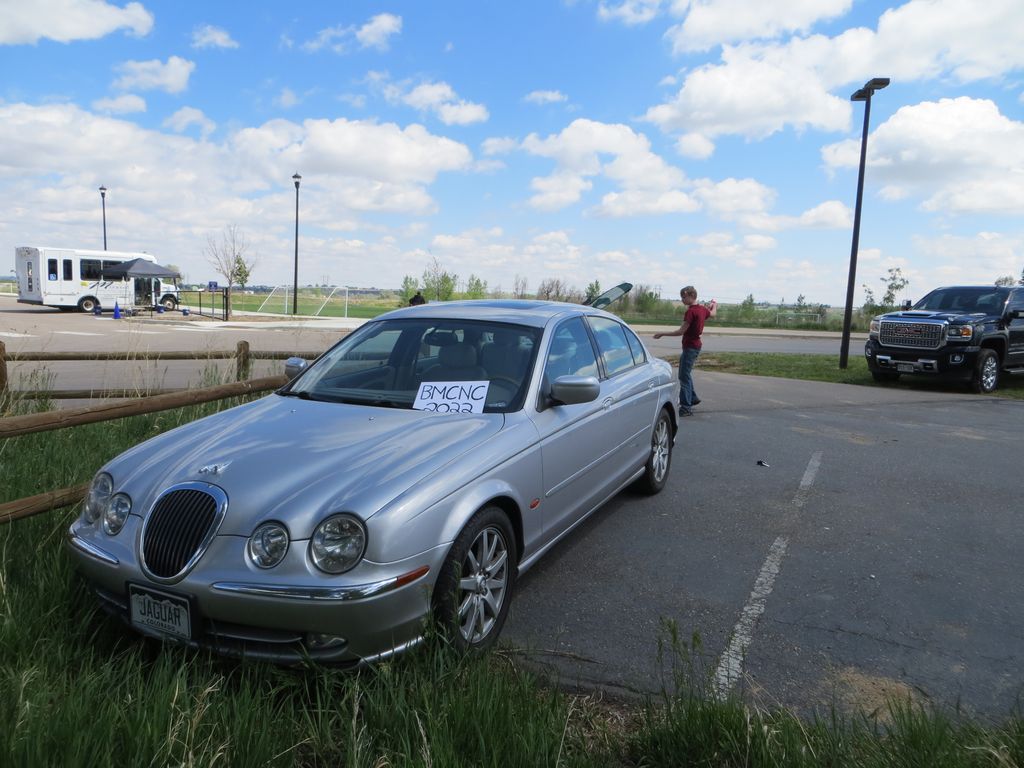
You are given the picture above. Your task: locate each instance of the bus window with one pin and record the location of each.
(67, 269)
(51, 269)
(91, 269)
(110, 264)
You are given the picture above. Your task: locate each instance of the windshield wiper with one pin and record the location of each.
(302, 395)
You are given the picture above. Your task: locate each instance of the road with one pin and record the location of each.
(874, 552)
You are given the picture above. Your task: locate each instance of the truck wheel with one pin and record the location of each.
(986, 372)
(87, 304)
(885, 377)
(169, 303)
(474, 589)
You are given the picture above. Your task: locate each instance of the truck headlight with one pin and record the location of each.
(268, 545)
(117, 511)
(99, 494)
(338, 543)
(960, 332)
(873, 325)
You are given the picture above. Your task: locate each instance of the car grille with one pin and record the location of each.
(895, 333)
(180, 528)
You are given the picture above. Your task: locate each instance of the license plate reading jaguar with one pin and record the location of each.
(159, 611)
(905, 367)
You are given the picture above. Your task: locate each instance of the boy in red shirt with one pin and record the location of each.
(690, 330)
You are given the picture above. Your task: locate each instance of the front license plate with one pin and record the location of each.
(159, 611)
(905, 367)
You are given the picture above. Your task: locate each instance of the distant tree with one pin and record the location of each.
(1021, 281)
(225, 252)
(894, 283)
(438, 283)
(1006, 280)
(476, 288)
(240, 274)
(175, 268)
(645, 300)
(409, 287)
(593, 291)
(519, 287)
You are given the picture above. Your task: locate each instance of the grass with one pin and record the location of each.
(826, 368)
(77, 688)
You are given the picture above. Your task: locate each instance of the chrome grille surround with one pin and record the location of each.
(913, 334)
(178, 529)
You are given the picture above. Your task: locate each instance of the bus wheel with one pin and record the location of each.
(87, 304)
(169, 303)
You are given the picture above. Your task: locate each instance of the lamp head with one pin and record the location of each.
(877, 83)
(103, 191)
(296, 178)
(861, 94)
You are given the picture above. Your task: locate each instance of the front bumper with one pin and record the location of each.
(347, 620)
(948, 362)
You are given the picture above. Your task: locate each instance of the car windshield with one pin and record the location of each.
(966, 300)
(448, 365)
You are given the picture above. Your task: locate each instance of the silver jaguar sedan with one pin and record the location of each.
(408, 475)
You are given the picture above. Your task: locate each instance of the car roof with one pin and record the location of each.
(518, 311)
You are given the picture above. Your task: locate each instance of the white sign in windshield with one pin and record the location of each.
(452, 396)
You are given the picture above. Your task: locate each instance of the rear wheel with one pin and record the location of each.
(986, 372)
(658, 463)
(88, 304)
(885, 377)
(474, 590)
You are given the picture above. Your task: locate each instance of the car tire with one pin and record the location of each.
(169, 303)
(885, 377)
(87, 304)
(474, 590)
(986, 372)
(659, 463)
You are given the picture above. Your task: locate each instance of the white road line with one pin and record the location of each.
(14, 335)
(730, 665)
(75, 333)
(141, 333)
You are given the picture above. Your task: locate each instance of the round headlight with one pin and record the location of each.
(99, 493)
(338, 544)
(268, 545)
(116, 513)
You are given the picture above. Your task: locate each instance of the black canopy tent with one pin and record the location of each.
(138, 268)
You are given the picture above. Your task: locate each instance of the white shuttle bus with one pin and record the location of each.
(71, 278)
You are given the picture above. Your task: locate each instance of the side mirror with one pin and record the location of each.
(293, 366)
(572, 390)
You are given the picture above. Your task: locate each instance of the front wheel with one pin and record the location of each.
(169, 303)
(658, 463)
(474, 590)
(88, 304)
(986, 372)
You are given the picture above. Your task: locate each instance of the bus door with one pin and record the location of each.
(144, 292)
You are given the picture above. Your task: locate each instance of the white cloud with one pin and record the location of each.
(758, 89)
(439, 98)
(696, 146)
(375, 33)
(629, 12)
(378, 30)
(185, 117)
(544, 97)
(209, 36)
(499, 146)
(960, 155)
(286, 99)
(122, 105)
(171, 76)
(28, 21)
(712, 22)
(832, 214)
(723, 246)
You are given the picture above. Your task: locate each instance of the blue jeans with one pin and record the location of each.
(686, 393)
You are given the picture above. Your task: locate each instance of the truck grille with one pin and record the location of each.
(180, 528)
(897, 333)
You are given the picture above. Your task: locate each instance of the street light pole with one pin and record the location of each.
(861, 94)
(295, 285)
(103, 200)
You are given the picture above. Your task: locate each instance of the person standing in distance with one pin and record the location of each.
(690, 330)
(416, 300)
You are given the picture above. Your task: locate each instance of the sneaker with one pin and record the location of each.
(696, 401)
(685, 412)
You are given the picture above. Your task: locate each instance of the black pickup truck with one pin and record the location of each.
(969, 333)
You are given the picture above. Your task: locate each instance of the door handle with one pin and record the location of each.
(607, 402)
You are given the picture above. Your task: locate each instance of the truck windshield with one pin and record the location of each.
(966, 300)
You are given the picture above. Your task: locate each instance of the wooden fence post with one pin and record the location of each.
(242, 361)
(3, 367)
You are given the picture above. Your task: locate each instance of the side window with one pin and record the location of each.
(570, 353)
(612, 344)
(90, 269)
(68, 274)
(51, 269)
(109, 264)
(639, 356)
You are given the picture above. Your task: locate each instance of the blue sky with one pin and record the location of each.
(663, 142)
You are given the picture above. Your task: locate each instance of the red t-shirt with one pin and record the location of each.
(695, 316)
